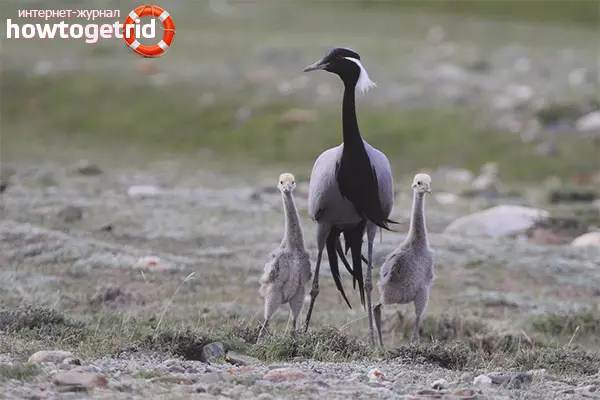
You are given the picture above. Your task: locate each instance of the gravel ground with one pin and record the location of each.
(55, 216)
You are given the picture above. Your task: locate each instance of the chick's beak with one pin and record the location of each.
(313, 67)
(428, 190)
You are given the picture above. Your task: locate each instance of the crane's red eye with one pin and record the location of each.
(339, 57)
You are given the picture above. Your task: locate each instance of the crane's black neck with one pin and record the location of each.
(351, 133)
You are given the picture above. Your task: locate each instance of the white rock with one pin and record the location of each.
(482, 381)
(436, 34)
(587, 239)
(50, 356)
(450, 72)
(143, 191)
(501, 220)
(446, 198)
(597, 204)
(577, 76)
(440, 384)
(589, 122)
(375, 375)
(151, 262)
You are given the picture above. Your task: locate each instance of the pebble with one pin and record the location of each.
(79, 379)
(589, 122)
(587, 240)
(51, 356)
(285, 374)
(71, 214)
(241, 359)
(518, 380)
(86, 167)
(143, 191)
(212, 352)
(440, 384)
(482, 381)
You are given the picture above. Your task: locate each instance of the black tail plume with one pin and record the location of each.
(332, 241)
(353, 237)
(340, 253)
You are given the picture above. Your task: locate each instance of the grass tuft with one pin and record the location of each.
(19, 371)
(323, 344)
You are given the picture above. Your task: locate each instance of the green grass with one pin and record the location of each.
(460, 345)
(95, 111)
(19, 371)
(574, 12)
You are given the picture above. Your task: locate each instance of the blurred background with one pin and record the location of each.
(460, 83)
(120, 158)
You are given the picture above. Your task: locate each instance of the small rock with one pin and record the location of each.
(51, 356)
(538, 372)
(71, 361)
(151, 262)
(285, 374)
(172, 379)
(375, 375)
(589, 122)
(518, 380)
(88, 368)
(212, 352)
(466, 393)
(498, 379)
(440, 384)
(79, 379)
(85, 167)
(143, 191)
(501, 220)
(446, 198)
(241, 359)
(71, 214)
(590, 239)
(482, 381)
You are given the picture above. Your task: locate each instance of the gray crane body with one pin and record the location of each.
(326, 204)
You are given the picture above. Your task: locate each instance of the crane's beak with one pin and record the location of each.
(318, 65)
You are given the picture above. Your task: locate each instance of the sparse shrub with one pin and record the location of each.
(568, 361)
(560, 324)
(324, 344)
(18, 371)
(42, 323)
(455, 356)
(450, 327)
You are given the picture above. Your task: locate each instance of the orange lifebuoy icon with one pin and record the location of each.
(149, 11)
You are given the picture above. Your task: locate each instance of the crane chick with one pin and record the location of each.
(407, 272)
(288, 269)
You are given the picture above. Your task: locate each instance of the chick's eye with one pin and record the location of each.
(419, 182)
(281, 182)
(339, 57)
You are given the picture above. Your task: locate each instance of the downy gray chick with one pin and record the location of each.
(288, 269)
(407, 272)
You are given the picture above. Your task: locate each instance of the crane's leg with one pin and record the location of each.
(420, 301)
(272, 303)
(322, 234)
(371, 232)
(296, 307)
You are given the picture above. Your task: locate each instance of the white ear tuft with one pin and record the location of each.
(364, 83)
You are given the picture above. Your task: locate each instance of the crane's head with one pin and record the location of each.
(287, 182)
(422, 183)
(346, 64)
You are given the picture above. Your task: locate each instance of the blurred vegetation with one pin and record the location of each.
(110, 334)
(103, 112)
(584, 12)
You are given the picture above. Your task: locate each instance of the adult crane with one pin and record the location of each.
(351, 187)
